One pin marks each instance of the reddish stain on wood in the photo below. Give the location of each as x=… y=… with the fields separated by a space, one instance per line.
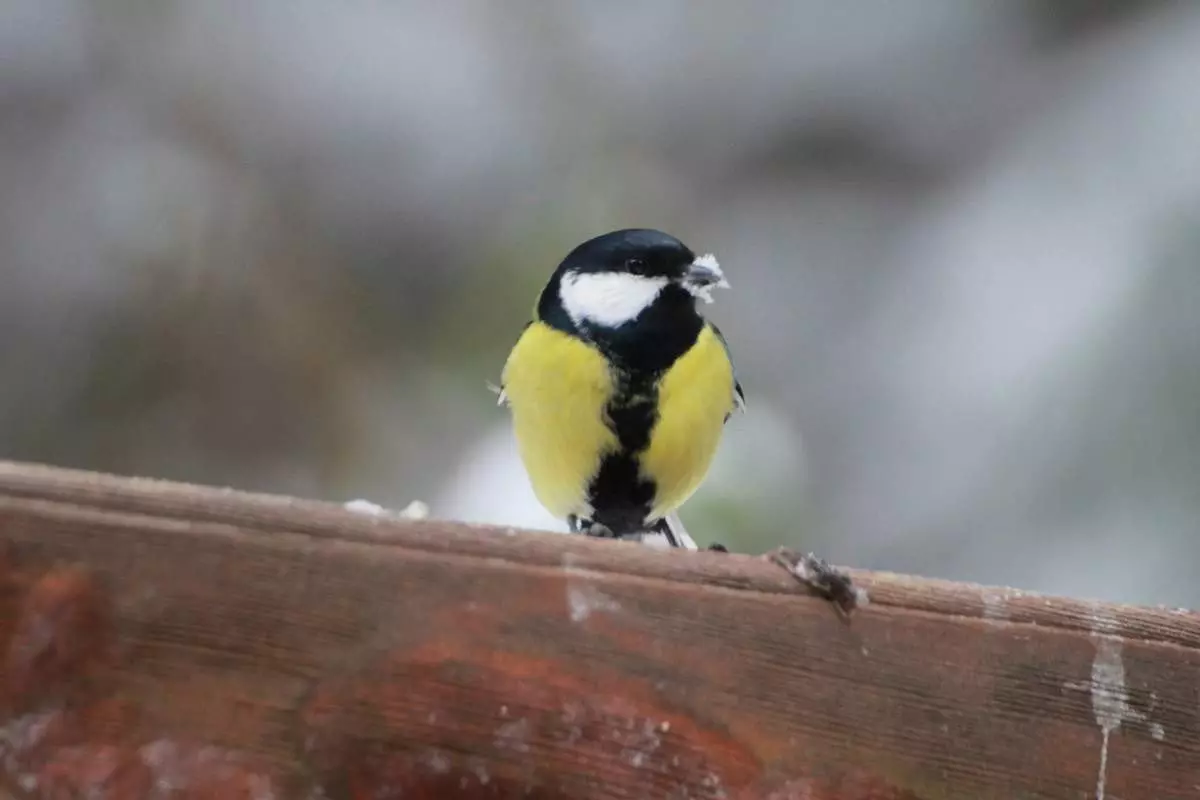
x=848 y=787
x=155 y=769
x=96 y=770
x=418 y=721
x=63 y=635
x=63 y=734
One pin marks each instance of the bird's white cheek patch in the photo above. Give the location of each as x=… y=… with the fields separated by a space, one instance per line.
x=609 y=299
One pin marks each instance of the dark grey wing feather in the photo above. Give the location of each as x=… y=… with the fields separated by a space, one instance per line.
x=739 y=396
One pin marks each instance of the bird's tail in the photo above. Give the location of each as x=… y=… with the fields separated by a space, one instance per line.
x=680 y=533
x=675 y=535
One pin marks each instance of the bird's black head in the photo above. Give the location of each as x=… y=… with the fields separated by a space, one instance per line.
x=637 y=251
x=612 y=280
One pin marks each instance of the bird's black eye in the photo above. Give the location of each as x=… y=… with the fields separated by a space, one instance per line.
x=636 y=265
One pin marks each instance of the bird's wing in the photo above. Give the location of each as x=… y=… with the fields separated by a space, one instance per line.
x=739 y=396
x=501 y=396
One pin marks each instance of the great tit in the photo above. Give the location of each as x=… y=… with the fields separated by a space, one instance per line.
x=619 y=389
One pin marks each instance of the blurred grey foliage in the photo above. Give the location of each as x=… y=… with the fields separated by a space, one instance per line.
x=284 y=245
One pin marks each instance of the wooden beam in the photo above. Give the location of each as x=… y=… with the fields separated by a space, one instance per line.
x=163 y=640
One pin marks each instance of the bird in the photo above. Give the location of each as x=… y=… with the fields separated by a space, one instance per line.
x=620 y=391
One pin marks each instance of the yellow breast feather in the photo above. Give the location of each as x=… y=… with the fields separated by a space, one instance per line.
x=557 y=386
x=695 y=396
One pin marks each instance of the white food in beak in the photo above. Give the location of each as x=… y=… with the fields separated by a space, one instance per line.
x=703 y=276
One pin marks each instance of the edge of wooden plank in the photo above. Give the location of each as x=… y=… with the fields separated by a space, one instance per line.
x=265 y=514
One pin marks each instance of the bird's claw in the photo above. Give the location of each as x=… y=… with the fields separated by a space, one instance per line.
x=822 y=578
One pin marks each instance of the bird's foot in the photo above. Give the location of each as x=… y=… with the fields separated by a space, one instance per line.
x=821 y=578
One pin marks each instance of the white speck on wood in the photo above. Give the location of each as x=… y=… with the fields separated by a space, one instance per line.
x=995 y=604
x=437 y=761
x=513 y=736
x=1103 y=621
x=1110 y=697
x=1103 y=776
x=415 y=510
x=570 y=566
x=177 y=768
x=365 y=507
x=17 y=739
x=639 y=740
x=1109 y=691
x=582 y=601
x=582 y=598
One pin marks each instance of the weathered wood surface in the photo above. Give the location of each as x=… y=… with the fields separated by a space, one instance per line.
x=161 y=640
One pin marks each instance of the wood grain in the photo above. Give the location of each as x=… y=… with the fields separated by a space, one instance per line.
x=162 y=640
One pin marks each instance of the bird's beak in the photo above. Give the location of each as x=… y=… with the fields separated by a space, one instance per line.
x=703 y=275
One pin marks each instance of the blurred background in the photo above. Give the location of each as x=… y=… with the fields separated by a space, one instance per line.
x=284 y=246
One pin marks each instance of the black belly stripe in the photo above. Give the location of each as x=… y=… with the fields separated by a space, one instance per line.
x=620 y=496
